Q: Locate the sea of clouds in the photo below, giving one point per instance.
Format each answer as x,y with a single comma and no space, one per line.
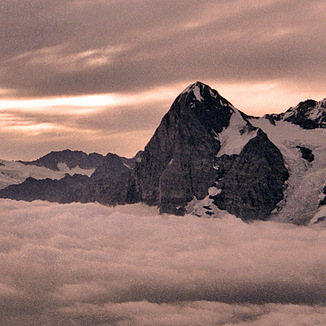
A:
87,264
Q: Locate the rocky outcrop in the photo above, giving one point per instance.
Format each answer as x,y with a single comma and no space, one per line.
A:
306,153
323,201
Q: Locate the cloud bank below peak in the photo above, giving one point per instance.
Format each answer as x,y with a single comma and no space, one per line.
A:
127,265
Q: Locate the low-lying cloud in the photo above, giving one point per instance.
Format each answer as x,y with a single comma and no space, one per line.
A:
87,264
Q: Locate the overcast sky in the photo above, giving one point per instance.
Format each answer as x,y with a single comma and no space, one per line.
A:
98,75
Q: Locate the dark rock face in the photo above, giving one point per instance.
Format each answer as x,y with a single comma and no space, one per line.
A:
323,201
71,158
306,153
109,182
68,189
273,118
252,183
180,161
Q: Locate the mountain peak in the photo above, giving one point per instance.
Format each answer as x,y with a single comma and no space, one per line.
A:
209,108
199,91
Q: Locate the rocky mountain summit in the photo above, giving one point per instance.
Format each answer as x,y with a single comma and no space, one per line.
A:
204,142
204,157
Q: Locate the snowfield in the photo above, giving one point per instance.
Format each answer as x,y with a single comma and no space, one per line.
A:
87,264
307,179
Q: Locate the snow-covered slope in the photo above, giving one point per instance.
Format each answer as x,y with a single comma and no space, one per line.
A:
305,185
235,136
12,172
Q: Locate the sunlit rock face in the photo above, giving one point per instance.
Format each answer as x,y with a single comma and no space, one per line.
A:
203,141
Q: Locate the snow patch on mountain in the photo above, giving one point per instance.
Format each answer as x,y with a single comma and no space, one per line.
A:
205,207
235,136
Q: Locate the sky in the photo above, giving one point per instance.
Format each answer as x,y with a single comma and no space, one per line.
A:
98,75
88,264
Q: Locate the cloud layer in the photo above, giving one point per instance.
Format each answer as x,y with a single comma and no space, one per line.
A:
93,265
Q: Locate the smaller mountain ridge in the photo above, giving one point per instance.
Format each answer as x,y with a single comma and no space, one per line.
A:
106,184
71,158
308,114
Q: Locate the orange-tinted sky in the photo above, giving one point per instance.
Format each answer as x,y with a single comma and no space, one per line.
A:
99,75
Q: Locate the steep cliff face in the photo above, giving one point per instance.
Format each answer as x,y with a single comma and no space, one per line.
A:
178,161
254,182
201,140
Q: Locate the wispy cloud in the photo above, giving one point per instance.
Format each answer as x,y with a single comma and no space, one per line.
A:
78,47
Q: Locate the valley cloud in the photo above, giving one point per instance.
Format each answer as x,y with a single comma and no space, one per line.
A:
89,264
